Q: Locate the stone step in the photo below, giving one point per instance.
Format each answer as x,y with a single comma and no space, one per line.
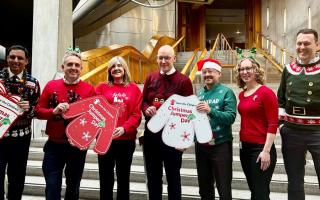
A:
190,150
235,132
235,135
39,142
35,185
36,156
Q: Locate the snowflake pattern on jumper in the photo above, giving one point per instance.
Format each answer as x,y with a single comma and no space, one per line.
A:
180,121
93,118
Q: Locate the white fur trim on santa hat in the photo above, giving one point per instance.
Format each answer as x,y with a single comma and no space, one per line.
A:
212,65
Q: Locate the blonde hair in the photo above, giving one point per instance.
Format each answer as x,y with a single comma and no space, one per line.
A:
111,63
259,73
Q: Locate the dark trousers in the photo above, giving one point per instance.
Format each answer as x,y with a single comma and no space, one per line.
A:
258,180
214,164
57,157
14,152
295,144
157,155
119,155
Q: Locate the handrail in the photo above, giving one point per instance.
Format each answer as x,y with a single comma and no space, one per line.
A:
140,63
227,43
95,71
214,45
195,68
178,41
112,49
101,67
222,45
155,42
275,43
270,59
280,55
134,59
273,52
188,64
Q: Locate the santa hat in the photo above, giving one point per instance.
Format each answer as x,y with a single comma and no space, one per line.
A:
209,64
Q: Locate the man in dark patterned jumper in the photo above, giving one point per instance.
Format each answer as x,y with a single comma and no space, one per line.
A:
14,146
299,111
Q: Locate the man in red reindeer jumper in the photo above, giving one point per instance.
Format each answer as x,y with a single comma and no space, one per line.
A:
59,154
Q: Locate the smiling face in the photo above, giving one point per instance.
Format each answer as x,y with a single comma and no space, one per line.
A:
117,71
17,61
72,68
247,71
166,58
306,47
210,77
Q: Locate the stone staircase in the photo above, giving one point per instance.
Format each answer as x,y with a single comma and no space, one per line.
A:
35,183
272,75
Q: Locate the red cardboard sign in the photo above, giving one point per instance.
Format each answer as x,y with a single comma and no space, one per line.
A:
9,110
95,119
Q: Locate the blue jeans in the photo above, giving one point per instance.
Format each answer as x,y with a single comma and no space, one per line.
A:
56,157
295,144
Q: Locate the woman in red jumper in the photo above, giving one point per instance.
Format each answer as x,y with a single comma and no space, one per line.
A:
124,94
258,108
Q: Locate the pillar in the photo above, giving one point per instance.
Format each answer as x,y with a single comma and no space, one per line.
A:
52,35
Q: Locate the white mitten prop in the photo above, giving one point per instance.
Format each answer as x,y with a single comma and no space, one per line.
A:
96,118
9,110
181,120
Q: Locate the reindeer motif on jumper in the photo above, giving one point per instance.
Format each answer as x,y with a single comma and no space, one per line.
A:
119,101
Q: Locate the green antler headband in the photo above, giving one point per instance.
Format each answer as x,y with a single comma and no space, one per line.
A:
76,49
242,54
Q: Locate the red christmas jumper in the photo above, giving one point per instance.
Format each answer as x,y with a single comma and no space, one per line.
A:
55,92
128,99
161,87
259,115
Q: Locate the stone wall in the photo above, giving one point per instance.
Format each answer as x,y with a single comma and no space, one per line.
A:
134,27
296,19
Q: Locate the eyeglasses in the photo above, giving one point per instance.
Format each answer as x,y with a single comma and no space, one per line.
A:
248,69
164,57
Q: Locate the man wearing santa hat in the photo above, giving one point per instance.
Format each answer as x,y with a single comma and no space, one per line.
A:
214,159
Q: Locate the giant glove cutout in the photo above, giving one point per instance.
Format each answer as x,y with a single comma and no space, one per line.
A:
181,120
9,110
96,118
